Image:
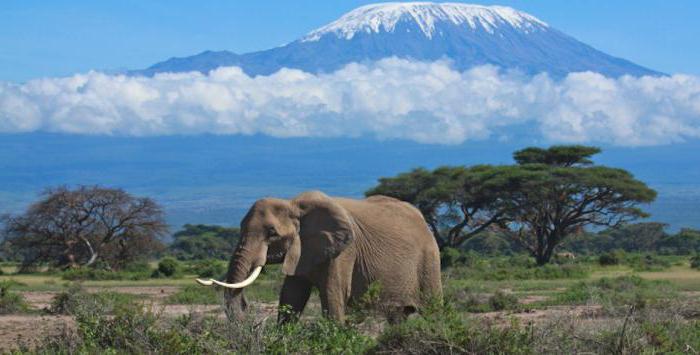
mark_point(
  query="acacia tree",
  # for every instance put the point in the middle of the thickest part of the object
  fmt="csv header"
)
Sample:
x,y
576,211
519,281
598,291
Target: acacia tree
x,y
69,228
564,192
456,202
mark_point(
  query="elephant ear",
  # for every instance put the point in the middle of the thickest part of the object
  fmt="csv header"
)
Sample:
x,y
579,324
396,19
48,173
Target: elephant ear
x,y
324,231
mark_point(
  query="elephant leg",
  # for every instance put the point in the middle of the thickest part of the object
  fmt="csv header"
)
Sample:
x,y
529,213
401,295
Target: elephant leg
x,y
333,303
293,297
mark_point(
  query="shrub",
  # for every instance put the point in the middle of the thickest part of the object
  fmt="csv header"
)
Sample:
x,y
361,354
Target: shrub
x,y
194,294
502,300
449,257
442,330
647,262
138,267
76,301
88,273
130,328
611,258
321,336
167,267
517,268
11,302
619,291
208,268
695,262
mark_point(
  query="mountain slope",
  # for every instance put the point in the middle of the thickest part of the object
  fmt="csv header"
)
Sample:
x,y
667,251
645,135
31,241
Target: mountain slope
x,y
467,35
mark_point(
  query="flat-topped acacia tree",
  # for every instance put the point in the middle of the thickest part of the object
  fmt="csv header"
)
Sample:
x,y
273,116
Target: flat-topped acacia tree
x,y
565,192
546,196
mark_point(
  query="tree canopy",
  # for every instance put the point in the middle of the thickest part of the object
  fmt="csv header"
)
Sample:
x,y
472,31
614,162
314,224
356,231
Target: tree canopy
x,y
457,202
546,196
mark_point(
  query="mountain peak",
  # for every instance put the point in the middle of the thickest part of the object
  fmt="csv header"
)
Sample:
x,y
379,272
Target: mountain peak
x,y
426,15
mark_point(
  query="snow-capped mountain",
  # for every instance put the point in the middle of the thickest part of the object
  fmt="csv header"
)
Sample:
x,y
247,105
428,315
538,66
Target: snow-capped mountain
x,y
467,35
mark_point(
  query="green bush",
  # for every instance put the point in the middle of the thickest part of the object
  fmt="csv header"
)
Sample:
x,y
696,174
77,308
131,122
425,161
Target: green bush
x,y
468,300
321,336
695,262
501,300
142,267
647,262
611,258
210,268
130,328
167,267
87,273
449,257
195,294
11,302
619,291
74,300
442,330
516,268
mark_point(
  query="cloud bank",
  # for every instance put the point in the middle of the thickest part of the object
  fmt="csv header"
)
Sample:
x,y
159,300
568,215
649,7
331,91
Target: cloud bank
x,y
391,98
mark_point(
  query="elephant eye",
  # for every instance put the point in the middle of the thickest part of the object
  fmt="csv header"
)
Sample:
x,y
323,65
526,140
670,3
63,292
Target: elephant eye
x,y
271,232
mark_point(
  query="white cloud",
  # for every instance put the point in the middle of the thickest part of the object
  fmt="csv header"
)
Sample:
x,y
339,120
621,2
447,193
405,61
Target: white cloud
x,y
392,98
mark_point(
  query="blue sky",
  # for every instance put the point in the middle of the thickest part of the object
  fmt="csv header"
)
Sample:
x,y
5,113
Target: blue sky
x,y
58,38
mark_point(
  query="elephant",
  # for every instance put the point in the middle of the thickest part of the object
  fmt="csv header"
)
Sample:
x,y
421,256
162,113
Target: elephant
x,y
340,246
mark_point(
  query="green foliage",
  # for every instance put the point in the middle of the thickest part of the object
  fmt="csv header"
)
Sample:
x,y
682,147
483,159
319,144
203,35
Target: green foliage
x,y
685,242
503,300
131,328
442,330
200,241
74,300
11,302
647,262
449,257
619,291
88,273
367,305
647,237
695,262
322,336
558,186
611,258
168,267
558,155
195,294
520,267
209,268
457,202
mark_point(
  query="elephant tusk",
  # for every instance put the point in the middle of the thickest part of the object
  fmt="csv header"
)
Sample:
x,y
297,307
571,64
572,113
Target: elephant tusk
x,y
244,283
204,282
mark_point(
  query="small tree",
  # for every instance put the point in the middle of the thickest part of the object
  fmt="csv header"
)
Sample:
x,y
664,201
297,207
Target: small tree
x,y
69,228
564,193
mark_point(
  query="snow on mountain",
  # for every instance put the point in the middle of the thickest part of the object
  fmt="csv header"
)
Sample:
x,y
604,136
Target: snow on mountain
x,y
466,35
384,17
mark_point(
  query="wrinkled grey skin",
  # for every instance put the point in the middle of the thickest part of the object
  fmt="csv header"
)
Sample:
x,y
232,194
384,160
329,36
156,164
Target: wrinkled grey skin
x,y
339,246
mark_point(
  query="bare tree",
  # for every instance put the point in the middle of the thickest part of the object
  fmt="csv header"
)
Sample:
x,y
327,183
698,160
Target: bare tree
x,y
69,228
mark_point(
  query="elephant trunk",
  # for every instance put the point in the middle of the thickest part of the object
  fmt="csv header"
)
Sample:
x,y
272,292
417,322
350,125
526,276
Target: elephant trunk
x,y
242,264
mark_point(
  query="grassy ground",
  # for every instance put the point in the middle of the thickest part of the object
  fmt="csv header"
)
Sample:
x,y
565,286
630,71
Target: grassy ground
x,y
594,304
